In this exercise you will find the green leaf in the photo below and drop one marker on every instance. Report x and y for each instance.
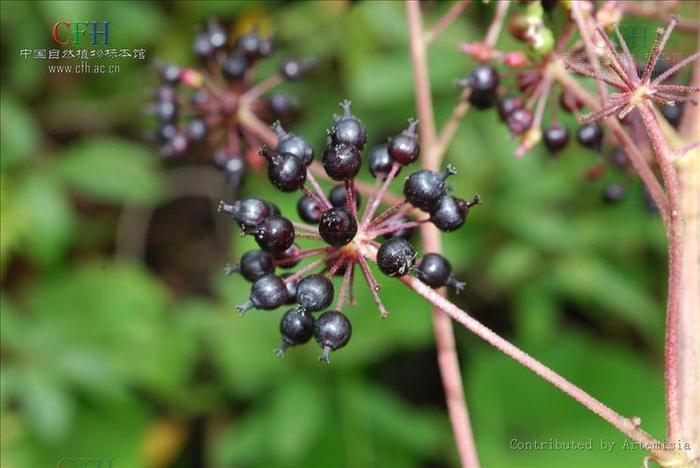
(20, 135)
(47, 404)
(111, 170)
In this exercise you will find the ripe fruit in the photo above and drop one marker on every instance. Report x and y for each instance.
(249, 45)
(556, 137)
(619, 158)
(483, 81)
(424, 188)
(254, 264)
(309, 209)
(294, 69)
(348, 129)
(519, 121)
(291, 288)
(274, 234)
(314, 292)
(509, 104)
(450, 212)
(283, 105)
(268, 292)
(337, 196)
(296, 327)
(197, 130)
(405, 232)
(404, 147)
(332, 331)
(249, 212)
(337, 227)
(341, 161)
(170, 73)
(613, 193)
(590, 135)
(202, 46)
(396, 257)
(436, 271)
(165, 111)
(570, 101)
(288, 258)
(234, 67)
(285, 170)
(379, 160)
(294, 144)
(672, 113)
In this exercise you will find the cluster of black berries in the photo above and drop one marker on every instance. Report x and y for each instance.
(351, 240)
(217, 110)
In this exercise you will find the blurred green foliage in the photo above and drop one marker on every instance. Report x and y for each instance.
(103, 358)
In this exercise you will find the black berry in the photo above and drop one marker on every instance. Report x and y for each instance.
(337, 196)
(291, 288)
(332, 331)
(249, 212)
(341, 161)
(450, 212)
(170, 73)
(337, 227)
(296, 327)
(314, 293)
(590, 135)
(202, 46)
(293, 144)
(294, 69)
(196, 130)
(379, 160)
(309, 209)
(253, 265)
(556, 137)
(613, 193)
(268, 292)
(396, 257)
(619, 158)
(424, 188)
(436, 271)
(404, 147)
(519, 121)
(234, 67)
(672, 113)
(249, 45)
(509, 104)
(483, 81)
(274, 234)
(282, 104)
(349, 129)
(285, 170)
(288, 258)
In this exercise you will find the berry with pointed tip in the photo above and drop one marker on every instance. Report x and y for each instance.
(291, 143)
(291, 287)
(294, 69)
(274, 234)
(337, 227)
(613, 193)
(509, 104)
(590, 135)
(288, 258)
(519, 121)
(396, 257)
(249, 212)
(405, 232)
(451, 212)
(337, 196)
(348, 129)
(435, 271)
(309, 209)
(268, 292)
(254, 264)
(380, 161)
(341, 161)
(424, 188)
(296, 327)
(332, 331)
(483, 81)
(556, 137)
(314, 293)
(405, 147)
(286, 171)
(234, 67)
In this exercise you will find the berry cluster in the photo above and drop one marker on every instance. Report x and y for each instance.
(351, 239)
(217, 109)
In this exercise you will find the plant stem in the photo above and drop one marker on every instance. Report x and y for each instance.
(446, 20)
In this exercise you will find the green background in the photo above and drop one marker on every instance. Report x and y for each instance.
(121, 343)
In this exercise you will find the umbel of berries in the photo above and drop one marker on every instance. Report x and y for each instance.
(217, 110)
(351, 236)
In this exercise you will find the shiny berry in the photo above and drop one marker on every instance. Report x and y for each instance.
(314, 293)
(291, 288)
(556, 137)
(483, 81)
(288, 258)
(285, 170)
(590, 135)
(519, 121)
(293, 144)
(332, 331)
(166, 132)
(405, 147)
(424, 188)
(170, 73)
(341, 161)
(202, 46)
(337, 227)
(249, 45)
(166, 111)
(253, 265)
(216, 34)
(379, 160)
(309, 209)
(450, 212)
(235, 67)
(165, 93)
(268, 292)
(296, 327)
(275, 234)
(436, 271)
(672, 113)
(396, 257)
(294, 69)
(249, 212)
(613, 193)
(619, 158)
(282, 104)
(337, 196)
(349, 129)
(196, 130)
(509, 104)
(405, 232)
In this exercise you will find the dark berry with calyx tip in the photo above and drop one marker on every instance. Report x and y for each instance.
(309, 209)
(167, 132)
(166, 111)
(286, 171)
(253, 265)
(404, 232)
(337, 196)
(217, 34)
(293, 144)
(197, 130)
(424, 188)
(249, 45)
(337, 227)
(519, 121)
(266, 47)
(556, 137)
(170, 73)
(341, 161)
(268, 292)
(590, 135)
(509, 104)
(288, 258)
(570, 102)
(348, 129)
(282, 104)
(275, 234)
(314, 293)
(291, 288)
(450, 212)
(483, 81)
(296, 327)
(396, 257)
(405, 147)
(613, 193)
(435, 271)
(332, 331)
(202, 46)
(672, 113)
(294, 69)
(619, 158)
(248, 212)
(380, 161)
(234, 67)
